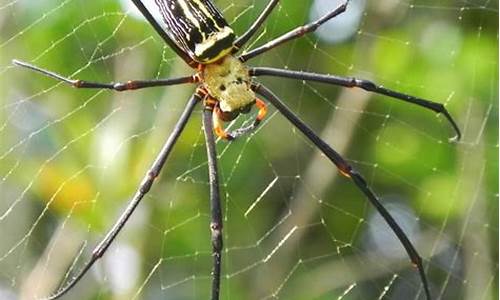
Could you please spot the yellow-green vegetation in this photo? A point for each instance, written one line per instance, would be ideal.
(71, 159)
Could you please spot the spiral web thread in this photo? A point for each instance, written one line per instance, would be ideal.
(71, 159)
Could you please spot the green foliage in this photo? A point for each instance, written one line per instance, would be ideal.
(446, 56)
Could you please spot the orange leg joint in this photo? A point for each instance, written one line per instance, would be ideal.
(344, 173)
(219, 125)
(262, 106)
(344, 169)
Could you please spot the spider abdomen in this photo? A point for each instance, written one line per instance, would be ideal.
(198, 27)
(228, 82)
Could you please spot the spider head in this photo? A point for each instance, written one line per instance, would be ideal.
(228, 82)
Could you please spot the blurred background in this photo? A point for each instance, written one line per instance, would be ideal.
(71, 159)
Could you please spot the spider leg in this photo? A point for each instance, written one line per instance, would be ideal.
(144, 188)
(348, 171)
(215, 206)
(242, 40)
(363, 84)
(129, 85)
(219, 127)
(295, 33)
(164, 34)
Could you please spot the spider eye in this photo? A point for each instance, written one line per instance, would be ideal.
(239, 79)
(222, 87)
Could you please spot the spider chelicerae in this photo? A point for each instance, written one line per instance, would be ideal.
(200, 35)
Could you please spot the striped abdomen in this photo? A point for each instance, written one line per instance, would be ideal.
(198, 27)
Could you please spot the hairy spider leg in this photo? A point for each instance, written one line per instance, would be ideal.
(245, 37)
(144, 188)
(347, 170)
(216, 222)
(117, 86)
(295, 33)
(366, 85)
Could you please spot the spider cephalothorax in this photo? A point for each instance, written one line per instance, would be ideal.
(227, 86)
(229, 82)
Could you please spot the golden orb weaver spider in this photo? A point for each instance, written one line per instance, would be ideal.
(200, 35)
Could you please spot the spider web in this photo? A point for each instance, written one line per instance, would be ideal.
(293, 228)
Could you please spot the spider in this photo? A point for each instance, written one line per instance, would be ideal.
(198, 33)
